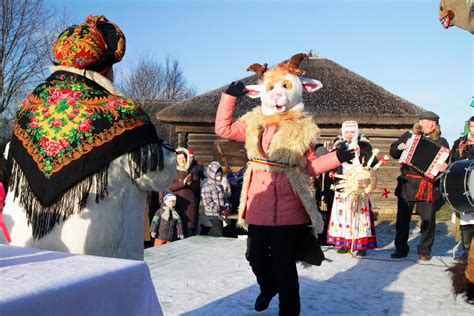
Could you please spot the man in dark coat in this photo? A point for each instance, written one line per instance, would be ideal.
(197, 170)
(463, 148)
(415, 189)
(195, 166)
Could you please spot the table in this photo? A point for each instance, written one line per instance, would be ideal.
(39, 282)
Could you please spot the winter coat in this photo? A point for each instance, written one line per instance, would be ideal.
(187, 203)
(166, 229)
(407, 187)
(465, 218)
(467, 154)
(212, 192)
(198, 169)
(272, 195)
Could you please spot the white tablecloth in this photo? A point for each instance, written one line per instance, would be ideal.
(38, 282)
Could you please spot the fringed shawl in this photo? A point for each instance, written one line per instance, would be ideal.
(65, 134)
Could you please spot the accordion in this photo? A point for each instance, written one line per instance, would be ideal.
(423, 155)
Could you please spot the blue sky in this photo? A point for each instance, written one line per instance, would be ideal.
(400, 45)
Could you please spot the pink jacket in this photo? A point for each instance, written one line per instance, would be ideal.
(2, 196)
(271, 200)
(3, 225)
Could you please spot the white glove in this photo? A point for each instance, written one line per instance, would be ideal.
(153, 234)
(181, 236)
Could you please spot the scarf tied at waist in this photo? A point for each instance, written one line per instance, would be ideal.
(424, 184)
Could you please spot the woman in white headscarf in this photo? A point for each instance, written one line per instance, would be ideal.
(352, 229)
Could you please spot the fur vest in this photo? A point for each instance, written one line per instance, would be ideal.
(287, 149)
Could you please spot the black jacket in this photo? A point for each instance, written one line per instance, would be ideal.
(407, 187)
(467, 154)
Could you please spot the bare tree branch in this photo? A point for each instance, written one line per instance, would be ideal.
(151, 81)
(29, 29)
(145, 82)
(176, 86)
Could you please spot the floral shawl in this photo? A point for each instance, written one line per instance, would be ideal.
(65, 134)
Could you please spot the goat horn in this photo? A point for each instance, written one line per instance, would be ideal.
(258, 69)
(294, 61)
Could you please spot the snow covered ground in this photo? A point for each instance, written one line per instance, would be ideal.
(210, 276)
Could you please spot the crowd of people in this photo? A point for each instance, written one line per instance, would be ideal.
(276, 196)
(199, 200)
(202, 195)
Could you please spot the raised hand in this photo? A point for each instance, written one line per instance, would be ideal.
(187, 180)
(236, 89)
(462, 146)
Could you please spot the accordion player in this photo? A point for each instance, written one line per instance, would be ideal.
(424, 155)
(423, 151)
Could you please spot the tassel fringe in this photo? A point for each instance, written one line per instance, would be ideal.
(43, 219)
(147, 158)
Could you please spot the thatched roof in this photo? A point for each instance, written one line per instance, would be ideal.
(152, 107)
(163, 130)
(345, 95)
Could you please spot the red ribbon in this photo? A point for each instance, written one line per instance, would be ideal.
(421, 189)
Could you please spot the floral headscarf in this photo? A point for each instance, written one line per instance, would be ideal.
(95, 44)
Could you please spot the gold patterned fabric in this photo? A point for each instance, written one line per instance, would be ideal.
(96, 44)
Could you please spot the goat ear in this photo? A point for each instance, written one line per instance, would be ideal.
(254, 91)
(311, 85)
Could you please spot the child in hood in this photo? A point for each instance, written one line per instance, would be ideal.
(166, 225)
(216, 208)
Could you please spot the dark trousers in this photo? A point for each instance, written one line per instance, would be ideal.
(217, 228)
(467, 233)
(271, 254)
(427, 212)
(190, 232)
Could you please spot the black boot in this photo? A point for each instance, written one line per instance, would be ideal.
(398, 254)
(262, 302)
